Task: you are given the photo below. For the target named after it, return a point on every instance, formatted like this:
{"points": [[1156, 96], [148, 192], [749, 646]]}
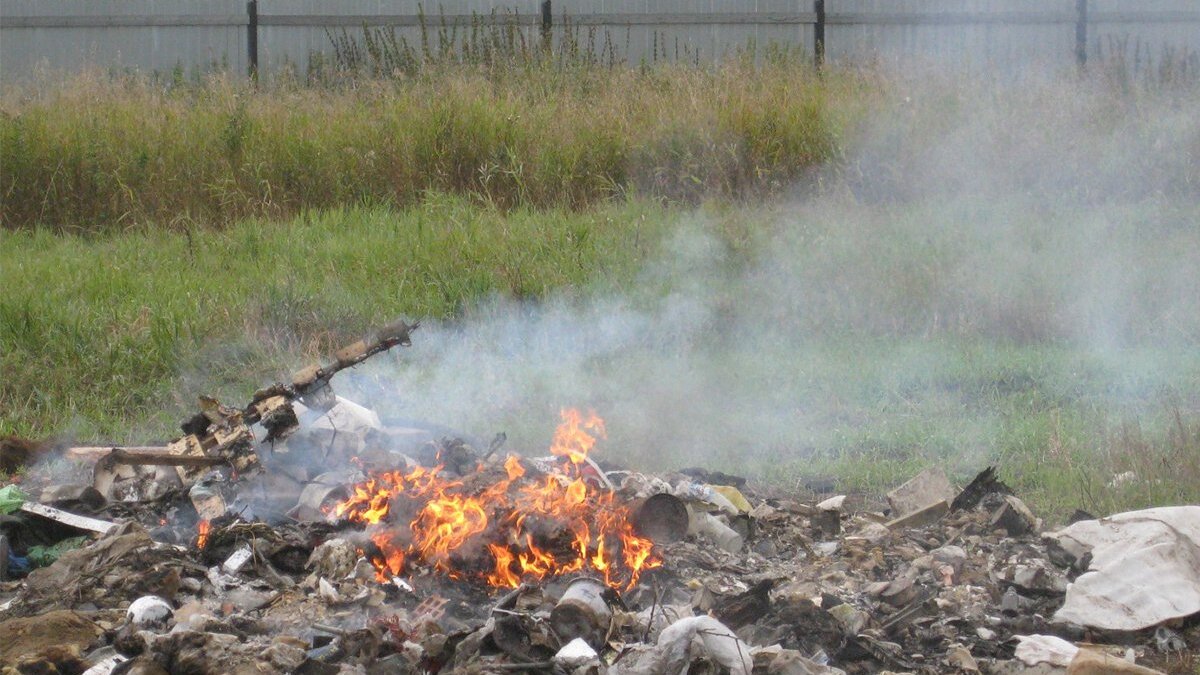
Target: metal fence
{"points": [[269, 36]]}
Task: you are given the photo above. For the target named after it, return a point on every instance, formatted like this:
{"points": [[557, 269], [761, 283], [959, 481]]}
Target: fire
{"points": [[202, 530], [531, 528], [572, 440]]}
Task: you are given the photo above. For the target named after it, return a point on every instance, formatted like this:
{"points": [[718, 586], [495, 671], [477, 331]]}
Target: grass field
{"points": [[751, 268], [92, 155]]}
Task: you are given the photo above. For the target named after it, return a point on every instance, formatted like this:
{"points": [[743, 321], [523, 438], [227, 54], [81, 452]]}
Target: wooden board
{"points": [[66, 518]]}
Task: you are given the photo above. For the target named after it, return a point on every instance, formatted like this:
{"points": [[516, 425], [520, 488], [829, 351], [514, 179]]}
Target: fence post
{"points": [[819, 33], [252, 39], [1081, 21], [547, 25], [1081, 33]]}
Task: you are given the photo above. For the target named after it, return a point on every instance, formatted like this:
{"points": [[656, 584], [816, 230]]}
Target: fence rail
{"points": [[198, 34]]}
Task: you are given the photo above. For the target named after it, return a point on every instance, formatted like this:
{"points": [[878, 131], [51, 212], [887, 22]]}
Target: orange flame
{"points": [[572, 440], [557, 524], [202, 530]]}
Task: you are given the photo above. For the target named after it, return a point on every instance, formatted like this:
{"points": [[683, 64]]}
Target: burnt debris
{"points": [[300, 534]]}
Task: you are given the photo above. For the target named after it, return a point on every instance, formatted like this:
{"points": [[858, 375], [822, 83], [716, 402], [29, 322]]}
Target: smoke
{"points": [[977, 241]]}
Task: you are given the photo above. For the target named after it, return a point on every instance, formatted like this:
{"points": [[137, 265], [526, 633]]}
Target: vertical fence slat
{"points": [[252, 39], [819, 33], [1081, 21]]}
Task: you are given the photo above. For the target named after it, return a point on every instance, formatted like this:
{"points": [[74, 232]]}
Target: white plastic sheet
{"points": [[1145, 568]]}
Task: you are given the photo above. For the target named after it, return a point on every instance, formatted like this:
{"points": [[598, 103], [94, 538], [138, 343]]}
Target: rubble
{"points": [[55, 637], [302, 534], [1014, 517], [919, 492], [925, 515]]}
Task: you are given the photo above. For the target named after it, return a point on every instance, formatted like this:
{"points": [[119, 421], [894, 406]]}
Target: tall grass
{"points": [[114, 337], [96, 153]]}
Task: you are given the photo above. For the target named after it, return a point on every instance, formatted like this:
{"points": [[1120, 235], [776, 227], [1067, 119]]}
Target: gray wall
{"points": [[67, 34], [160, 35]]}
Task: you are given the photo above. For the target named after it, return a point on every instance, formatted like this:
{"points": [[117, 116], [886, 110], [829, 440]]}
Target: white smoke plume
{"points": [[968, 220]]}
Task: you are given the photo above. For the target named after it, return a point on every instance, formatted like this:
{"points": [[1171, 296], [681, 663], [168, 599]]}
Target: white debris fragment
{"points": [[327, 591], [711, 528], [1034, 649], [237, 560], [106, 666], [575, 654], [363, 571], [832, 504], [1120, 479], [677, 642], [150, 612], [348, 417]]}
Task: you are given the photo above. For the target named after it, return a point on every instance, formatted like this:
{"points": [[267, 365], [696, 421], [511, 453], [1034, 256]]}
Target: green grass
{"points": [[100, 154], [1060, 422], [98, 333], [111, 339]]}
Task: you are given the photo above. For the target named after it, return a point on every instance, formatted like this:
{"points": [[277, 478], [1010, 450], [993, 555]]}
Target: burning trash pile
{"points": [[524, 516], [301, 534]]}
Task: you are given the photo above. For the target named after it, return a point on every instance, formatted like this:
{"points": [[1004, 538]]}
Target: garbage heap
{"points": [[300, 534]]}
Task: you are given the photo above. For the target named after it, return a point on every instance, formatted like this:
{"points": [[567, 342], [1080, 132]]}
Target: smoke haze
{"points": [[1037, 238]]}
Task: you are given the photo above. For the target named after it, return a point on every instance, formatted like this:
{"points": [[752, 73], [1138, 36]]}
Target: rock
{"points": [[46, 636], [852, 619], [925, 516], [960, 658], [953, 556], [926, 488], [899, 592], [183, 615], [1037, 576], [874, 533], [1011, 601], [1014, 517], [284, 655]]}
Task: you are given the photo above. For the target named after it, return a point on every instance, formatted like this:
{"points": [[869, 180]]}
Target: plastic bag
{"points": [[11, 499]]}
